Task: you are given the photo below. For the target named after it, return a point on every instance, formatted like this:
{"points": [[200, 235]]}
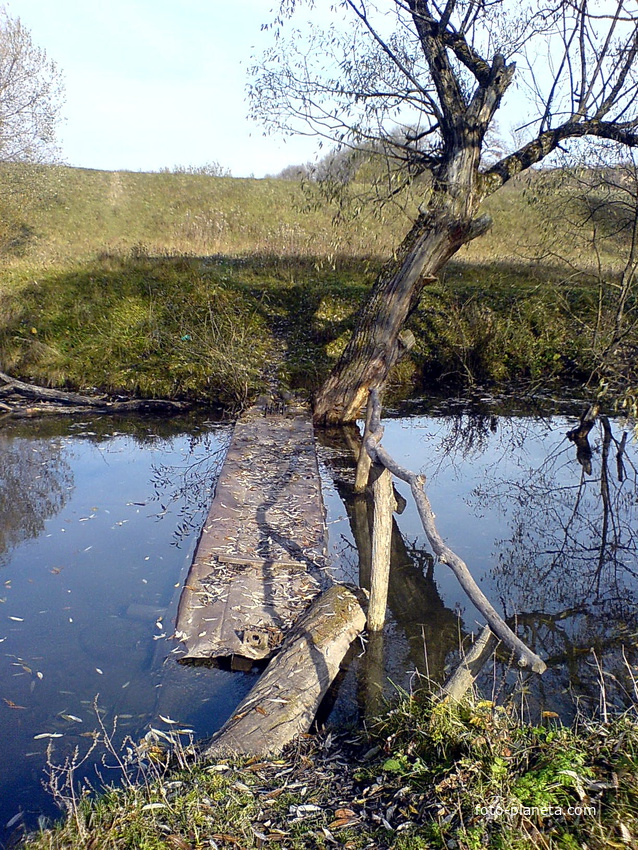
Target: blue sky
{"points": [[158, 83]]}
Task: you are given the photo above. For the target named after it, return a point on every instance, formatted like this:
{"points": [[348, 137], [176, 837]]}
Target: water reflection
{"points": [[568, 566], [90, 574], [35, 480], [548, 529], [422, 631]]}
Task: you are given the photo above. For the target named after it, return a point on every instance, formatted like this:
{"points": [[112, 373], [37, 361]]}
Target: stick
{"points": [[526, 658], [471, 665]]}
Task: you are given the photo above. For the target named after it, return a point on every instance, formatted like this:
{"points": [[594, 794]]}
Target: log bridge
{"points": [[260, 588], [261, 558]]}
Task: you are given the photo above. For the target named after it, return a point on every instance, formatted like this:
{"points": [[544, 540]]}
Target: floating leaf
{"points": [[12, 704]]}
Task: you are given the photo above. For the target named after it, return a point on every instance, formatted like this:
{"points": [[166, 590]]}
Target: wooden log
{"points": [[459, 683], [384, 505], [149, 406], [53, 402], [284, 701], [526, 658], [47, 393]]}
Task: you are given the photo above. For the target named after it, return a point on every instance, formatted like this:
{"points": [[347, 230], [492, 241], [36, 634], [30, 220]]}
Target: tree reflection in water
{"points": [[35, 482], [565, 573], [422, 631], [570, 561]]}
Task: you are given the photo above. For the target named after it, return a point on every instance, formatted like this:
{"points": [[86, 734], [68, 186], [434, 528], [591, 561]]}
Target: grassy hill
{"points": [[204, 287]]}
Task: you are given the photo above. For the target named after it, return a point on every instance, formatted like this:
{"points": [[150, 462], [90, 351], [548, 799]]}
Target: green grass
{"points": [[430, 776], [188, 286]]}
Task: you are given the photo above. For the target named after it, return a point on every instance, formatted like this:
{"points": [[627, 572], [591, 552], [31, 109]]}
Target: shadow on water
{"points": [[548, 526]]}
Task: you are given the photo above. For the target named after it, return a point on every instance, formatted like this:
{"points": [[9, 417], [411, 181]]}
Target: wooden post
{"points": [[375, 676], [384, 505], [364, 462]]}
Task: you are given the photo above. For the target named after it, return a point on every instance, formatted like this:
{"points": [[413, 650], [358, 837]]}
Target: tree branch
{"points": [[546, 142]]}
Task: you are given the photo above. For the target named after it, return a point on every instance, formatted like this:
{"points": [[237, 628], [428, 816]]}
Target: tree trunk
{"points": [[285, 700], [375, 345]]}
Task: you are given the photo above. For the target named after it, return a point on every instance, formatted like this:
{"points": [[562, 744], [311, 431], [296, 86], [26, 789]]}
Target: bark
{"points": [[375, 347], [284, 702]]}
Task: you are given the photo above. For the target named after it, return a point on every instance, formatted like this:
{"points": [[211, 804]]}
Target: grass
{"points": [[428, 775], [188, 286]]}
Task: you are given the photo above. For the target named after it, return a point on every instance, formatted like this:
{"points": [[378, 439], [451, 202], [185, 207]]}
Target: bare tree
{"points": [[424, 80], [31, 96]]}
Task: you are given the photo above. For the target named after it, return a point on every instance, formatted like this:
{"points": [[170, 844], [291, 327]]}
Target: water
{"points": [[549, 533], [99, 523], [100, 520]]}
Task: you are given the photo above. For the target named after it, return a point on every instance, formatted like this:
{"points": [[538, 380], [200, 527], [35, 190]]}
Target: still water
{"points": [[99, 520]]}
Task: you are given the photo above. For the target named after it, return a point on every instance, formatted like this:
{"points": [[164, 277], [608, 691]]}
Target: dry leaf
{"points": [[12, 704]]}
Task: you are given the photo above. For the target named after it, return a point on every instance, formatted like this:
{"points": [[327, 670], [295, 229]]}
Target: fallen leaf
{"points": [[12, 704], [341, 822], [345, 813], [72, 717]]}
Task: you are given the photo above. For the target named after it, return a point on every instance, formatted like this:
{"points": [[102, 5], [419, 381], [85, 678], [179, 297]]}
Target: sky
{"points": [[152, 84]]}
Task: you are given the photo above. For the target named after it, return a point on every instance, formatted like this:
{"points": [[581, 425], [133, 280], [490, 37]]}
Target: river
{"points": [[100, 518]]}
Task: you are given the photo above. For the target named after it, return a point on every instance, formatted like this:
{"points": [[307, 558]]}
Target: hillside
{"points": [[204, 287]]}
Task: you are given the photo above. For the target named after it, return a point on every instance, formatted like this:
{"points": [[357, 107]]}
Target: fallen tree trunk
{"points": [[46, 393], [140, 405], [59, 402], [285, 700]]}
